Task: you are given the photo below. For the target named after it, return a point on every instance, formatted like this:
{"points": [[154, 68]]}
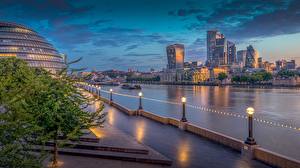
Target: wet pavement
{"points": [[67, 161], [183, 148]]}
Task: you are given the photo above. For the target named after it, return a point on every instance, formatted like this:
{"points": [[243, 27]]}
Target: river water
{"points": [[222, 109]]}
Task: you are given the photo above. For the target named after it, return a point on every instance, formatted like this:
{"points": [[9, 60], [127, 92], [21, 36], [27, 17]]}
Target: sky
{"points": [[122, 34]]}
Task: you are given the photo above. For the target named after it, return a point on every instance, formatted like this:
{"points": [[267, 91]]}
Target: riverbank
{"points": [[222, 109], [266, 86], [258, 153]]}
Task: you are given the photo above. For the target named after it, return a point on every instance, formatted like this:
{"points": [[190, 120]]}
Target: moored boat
{"points": [[131, 87]]}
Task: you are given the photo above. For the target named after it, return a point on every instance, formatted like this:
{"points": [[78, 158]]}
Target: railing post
{"points": [[250, 140], [183, 100], [110, 96], [250, 144], [99, 91], [140, 109]]}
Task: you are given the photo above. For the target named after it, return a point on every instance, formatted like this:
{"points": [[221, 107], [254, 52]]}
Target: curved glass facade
{"points": [[21, 42]]}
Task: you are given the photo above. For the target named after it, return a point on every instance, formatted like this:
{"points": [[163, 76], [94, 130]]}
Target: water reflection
{"points": [[183, 152], [111, 116], [175, 93], [140, 131]]}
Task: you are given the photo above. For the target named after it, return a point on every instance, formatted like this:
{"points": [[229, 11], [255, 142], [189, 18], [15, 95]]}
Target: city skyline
{"points": [[122, 35]]}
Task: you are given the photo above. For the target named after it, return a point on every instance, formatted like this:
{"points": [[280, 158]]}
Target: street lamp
{"points": [[111, 99], [250, 140], [183, 100], [140, 101], [99, 91]]}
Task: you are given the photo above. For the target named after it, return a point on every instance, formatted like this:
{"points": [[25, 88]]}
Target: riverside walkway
{"points": [[193, 147], [183, 148]]}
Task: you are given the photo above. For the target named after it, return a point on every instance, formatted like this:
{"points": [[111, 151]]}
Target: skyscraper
{"points": [[260, 62], [220, 52], [291, 64], [216, 49], [241, 57], [251, 57], [231, 53], [175, 54]]}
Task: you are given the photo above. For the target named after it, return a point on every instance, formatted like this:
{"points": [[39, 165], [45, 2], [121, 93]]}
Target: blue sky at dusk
{"points": [[122, 34]]}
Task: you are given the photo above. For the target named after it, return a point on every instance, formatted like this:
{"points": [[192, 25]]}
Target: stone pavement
{"points": [[122, 149], [185, 149], [90, 162]]}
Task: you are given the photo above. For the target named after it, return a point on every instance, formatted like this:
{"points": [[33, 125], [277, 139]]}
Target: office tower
{"points": [[241, 57], [216, 48], [290, 65], [220, 52], [280, 64], [260, 62], [231, 53], [251, 57], [211, 40], [21, 42], [175, 54]]}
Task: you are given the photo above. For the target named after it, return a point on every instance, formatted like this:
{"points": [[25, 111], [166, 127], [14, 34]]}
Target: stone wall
{"points": [[215, 136], [275, 159], [155, 117], [174, 122]]}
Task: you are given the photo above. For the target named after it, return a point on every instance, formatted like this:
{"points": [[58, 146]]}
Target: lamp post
{"points": [[250, 140], [140, 101], [110, 97], [183, 100], [99, 91]]}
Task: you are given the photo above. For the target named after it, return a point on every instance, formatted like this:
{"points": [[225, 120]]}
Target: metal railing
{"points": [[97, 90]]}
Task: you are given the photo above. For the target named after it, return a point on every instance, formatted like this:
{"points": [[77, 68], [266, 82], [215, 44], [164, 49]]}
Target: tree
{"points": [[222, 76], [267, 76], [59, 110], [286, 73], [38, 107], [17, 84]]}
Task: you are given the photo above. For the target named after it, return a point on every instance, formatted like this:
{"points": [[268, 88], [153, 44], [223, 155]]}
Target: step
{"points": [[152, 157], [99, 147]]}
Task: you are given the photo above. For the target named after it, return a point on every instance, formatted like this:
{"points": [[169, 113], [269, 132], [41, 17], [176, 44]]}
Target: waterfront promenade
{"points": [[178, 143], [183, 148], [222, 109]]}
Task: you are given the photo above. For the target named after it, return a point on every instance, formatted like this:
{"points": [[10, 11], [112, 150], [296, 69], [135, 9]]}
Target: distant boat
{"points": [[131, 87]]}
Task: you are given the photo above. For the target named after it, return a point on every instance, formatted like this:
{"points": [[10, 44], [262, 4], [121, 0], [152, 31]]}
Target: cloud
{"points": [[130, 37], [241, 10], [242, 20], [52, 10], [120, 30], [72, 34], [131, 47], [106, 42], [283, 21], [141, 55], [185, 12], [101, 21]]}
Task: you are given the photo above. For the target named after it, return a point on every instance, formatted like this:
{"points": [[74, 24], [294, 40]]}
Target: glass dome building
{"points": [[21, 42]]}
